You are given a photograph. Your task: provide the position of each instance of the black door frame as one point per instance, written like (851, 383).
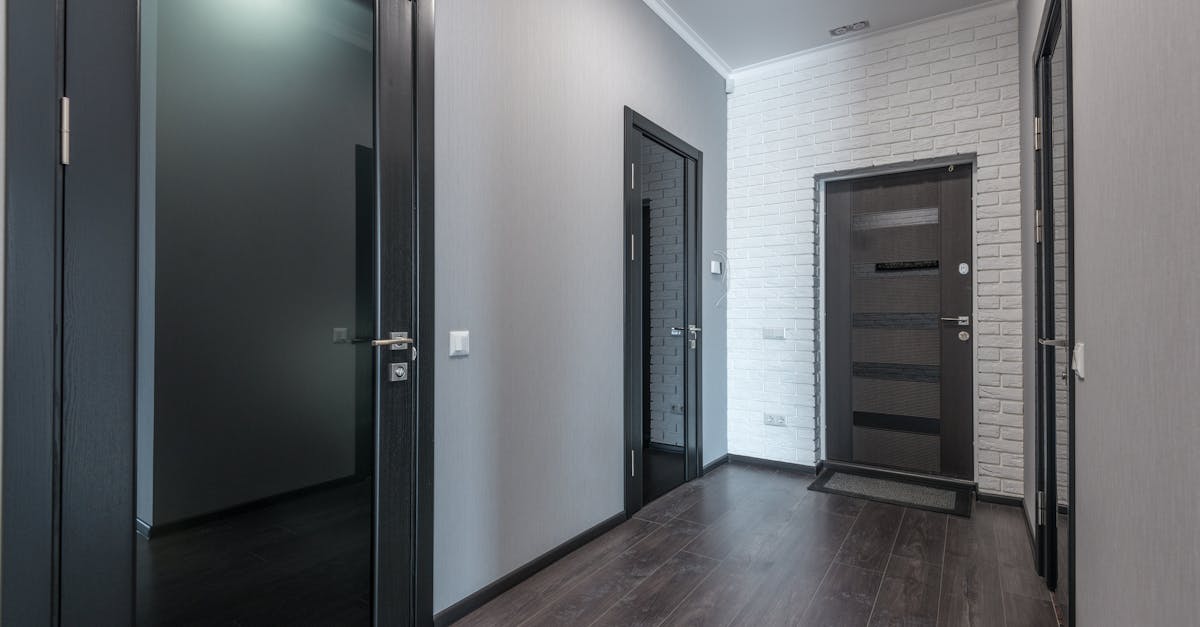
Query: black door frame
(1055, 27)
(99, 301)
(636, 126)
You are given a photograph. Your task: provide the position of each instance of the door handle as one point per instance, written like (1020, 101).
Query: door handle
(963, 321)
(1053, 342)
(394, 342)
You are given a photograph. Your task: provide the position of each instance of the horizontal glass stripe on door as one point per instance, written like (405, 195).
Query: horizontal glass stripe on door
(898, 372)
(896, 422)
(893, 219)
(889, 270)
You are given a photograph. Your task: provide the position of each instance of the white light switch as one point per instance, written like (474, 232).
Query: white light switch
(460, 343)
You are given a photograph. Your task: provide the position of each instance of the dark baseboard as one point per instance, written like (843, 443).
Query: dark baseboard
(714, 464)
(460, 610)
(148, 531)
(1001, 499)
(770, 463)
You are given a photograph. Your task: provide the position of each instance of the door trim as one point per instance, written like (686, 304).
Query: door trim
(822, 222)
(33, 309)
(635, 126)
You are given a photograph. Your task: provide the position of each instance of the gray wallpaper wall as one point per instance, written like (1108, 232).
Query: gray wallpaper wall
(530, 240)
(1137, 143)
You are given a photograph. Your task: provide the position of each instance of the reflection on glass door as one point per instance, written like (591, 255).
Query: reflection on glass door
(663, 202)
(255, 406)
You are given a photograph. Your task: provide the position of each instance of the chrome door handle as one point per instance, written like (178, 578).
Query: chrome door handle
(963, 321)
(395, 341)
(1053, 342)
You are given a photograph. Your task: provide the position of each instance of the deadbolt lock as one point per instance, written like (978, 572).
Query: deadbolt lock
(398, 371)
(963, 336)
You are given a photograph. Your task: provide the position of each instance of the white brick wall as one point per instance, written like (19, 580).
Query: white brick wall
(944, 87)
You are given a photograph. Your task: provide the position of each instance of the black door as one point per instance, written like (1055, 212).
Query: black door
(1055, 306)
(218, 443)
(899, 339)
(663, 326)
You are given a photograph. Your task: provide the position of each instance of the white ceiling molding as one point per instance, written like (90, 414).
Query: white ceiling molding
(689, 36)
(841, 41)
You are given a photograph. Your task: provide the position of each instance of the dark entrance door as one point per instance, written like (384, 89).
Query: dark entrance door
(227, 228)
(900, 332)
(663, 327)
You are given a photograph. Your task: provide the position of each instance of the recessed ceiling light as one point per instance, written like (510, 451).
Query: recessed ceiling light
(849, 28)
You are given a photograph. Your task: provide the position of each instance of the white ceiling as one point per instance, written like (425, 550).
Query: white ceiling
(733, 34)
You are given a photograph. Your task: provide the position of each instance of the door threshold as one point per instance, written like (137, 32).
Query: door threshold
(917, 477)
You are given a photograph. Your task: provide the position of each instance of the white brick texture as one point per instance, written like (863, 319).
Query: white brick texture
(937, 89)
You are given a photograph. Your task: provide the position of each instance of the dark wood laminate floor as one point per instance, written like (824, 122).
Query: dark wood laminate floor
(751, 546)
(302, 561)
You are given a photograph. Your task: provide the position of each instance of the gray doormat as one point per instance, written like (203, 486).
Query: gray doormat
(889, 489)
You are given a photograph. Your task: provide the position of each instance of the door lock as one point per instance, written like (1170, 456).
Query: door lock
(398, 371)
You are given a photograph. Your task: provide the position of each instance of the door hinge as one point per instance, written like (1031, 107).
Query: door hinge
(1041, 507)
(65, 129)
(1037, 133)
(1038, 228)
(632, 247)
(632, 176)
(632, 464)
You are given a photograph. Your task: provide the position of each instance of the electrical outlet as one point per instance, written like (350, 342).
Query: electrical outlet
(775, 420)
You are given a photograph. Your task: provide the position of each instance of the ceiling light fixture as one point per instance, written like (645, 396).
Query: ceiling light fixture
(849, 28)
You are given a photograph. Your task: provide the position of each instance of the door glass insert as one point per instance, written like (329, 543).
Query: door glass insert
(663, 197)
(256, 290)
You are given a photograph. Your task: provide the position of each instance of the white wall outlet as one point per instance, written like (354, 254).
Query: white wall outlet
(775, 420)
(460, 343)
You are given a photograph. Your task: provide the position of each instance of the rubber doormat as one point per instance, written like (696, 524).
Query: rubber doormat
(888, 489)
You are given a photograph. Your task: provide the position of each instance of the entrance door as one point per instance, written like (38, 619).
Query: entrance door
(663, 331)
(238, 438)
(899, 321)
